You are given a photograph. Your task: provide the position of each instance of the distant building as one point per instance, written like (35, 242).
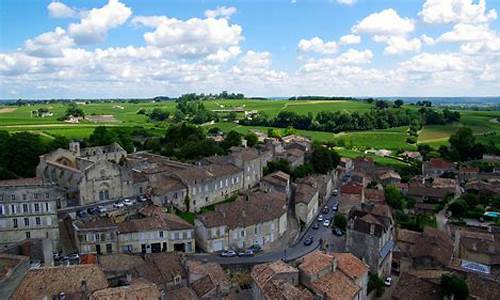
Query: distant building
(28, 210)
(255, 218)
(437, 167)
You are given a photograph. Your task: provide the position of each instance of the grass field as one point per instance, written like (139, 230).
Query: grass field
(14, 118)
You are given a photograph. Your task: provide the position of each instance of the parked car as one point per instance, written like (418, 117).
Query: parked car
(326, 223)
(72, 256)
(320, 218)
(101, 209)
(335, 192)
(388, 281)
(81, 213)
(142, 198)
(337, 231)
(56, 256)
(308, 241)
(92, 210)
(335, 207)
(315, 226)
(255, 248)
(245, 253)
(325, 210)
(228, 253)
(118, 204)
(127, 202)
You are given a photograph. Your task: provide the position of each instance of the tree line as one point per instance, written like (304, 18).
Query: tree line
(338, 121)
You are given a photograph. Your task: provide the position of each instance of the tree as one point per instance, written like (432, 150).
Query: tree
(251, 138)
(23, 150)
(214, 131)
(398, 103)
(340, 221)
(463, 144)
(232, 139)
(452, 285)
(158, 115)
(458, 208)
(302, 171)
(381, 104)
(324, 160)
(277, 165)
(232, 116)
(102, 136)
(394, 198)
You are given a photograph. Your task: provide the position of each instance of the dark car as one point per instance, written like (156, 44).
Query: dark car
(93, 210)
(228, 253)
(255, 248)
(315, 226)
(245, 253)
(337, 231)
(325, 210)
(81, 213)
(308, 241)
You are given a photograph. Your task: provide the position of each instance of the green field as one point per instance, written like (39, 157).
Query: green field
(14, 118)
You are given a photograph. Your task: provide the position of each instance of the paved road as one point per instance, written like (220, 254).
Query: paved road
(286, 253)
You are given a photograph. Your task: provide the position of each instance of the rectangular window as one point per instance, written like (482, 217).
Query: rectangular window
(49, 221)
(161, 234)
(109, 248)
(37, 220)
(103, 237)
(13, 209)
(47, 207)
(35, 195)
(184, 235)
(12, 197)
(26, 222)
(47, 195)
(24, 196)
(14, 223)
(37, 207)
(25, 208)
(242, 233)
(1, 210)
(176, 235)
(28, 235)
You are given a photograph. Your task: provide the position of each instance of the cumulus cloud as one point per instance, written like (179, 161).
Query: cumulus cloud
(384, 23)
(220, 12)
(49, 44)
(398, 45)
(456, 11)
(61, 10)
(350, 39)
(94, 26)
(317, 45)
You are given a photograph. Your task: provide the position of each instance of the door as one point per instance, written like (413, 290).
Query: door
(98, 248)
(217, 245)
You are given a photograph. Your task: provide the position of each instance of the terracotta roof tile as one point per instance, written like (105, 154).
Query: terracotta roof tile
(315, 261)
(34, 181)
(119, 262)
(352, 266)
(50, 281)
(337, 286)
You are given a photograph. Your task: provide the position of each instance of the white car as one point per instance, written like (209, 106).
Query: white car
(143, 199)
(326, 223)
(335, 192)
(388, 281)
(101, 209)
(118, 204)
(127, 202)
(320, 218)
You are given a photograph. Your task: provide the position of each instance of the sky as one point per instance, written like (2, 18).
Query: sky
(146, 48)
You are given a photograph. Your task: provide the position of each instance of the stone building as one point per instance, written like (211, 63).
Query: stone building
(276, 182)
(152, 230)
(28, 210)
(277, 280)
(87, 175)
(437, 167)
(255, 218)
(370, 236)
(306, 199)
(337, 276)
(208, 280)
(351, 195)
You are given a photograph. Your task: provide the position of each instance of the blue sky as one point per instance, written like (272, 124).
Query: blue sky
(120, 48)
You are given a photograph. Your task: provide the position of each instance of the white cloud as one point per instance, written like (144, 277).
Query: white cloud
(93, 27)
(346, 2)
(49, 44)
(398, 45)
(350, 39)
(192, 38)
(384, 23)
(456, 11)
(428, 40)
(220, 12)
(61, 10)
(317, 45)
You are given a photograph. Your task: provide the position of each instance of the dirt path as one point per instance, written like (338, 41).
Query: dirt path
(7, 110)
